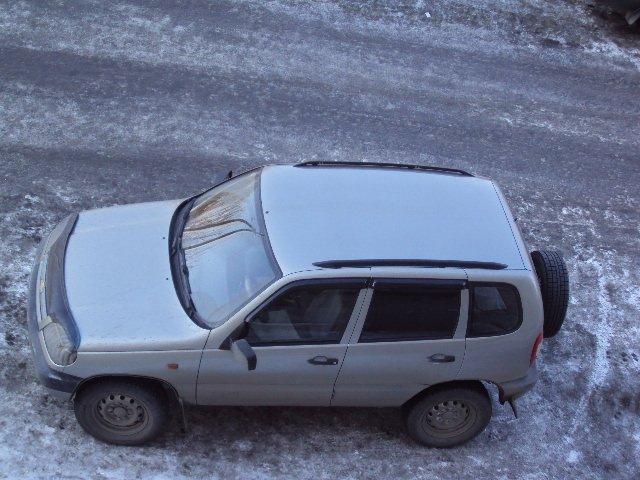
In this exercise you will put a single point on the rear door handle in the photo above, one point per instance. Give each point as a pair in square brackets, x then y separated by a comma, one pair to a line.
[322, 360]
[441, 358]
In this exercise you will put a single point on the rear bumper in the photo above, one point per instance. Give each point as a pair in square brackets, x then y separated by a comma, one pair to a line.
[516, 388]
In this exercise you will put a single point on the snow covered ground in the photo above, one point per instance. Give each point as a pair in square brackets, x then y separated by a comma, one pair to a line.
[115, 102]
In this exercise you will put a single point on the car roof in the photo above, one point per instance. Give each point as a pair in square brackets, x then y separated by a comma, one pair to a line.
[315, 213]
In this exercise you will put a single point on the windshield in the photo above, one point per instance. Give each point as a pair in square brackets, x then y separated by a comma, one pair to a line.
[226, 249]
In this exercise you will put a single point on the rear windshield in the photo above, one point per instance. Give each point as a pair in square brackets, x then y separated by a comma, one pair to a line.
[226, 249]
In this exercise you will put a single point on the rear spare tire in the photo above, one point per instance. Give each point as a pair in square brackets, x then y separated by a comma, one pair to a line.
[554, 286]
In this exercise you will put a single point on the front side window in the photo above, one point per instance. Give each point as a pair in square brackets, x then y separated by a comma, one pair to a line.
[411, 313]
[304, 315]
[226, 249]
[495, 310]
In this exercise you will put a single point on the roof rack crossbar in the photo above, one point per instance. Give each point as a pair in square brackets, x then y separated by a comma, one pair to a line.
[407, 166]
[410, 263]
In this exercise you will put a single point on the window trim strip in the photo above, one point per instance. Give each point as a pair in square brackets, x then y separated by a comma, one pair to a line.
[435, 283]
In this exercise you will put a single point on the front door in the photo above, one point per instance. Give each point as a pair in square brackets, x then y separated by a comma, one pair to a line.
[300, 343]
[412, 336]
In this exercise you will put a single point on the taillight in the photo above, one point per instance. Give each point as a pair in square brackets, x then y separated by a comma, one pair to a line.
[536, 347]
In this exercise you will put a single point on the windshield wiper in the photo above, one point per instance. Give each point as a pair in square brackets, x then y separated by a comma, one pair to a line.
[179, 270]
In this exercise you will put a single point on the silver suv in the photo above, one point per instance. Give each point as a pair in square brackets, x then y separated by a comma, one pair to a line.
[316, 284]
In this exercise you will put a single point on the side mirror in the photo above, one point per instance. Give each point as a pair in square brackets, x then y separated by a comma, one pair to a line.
[243, 353]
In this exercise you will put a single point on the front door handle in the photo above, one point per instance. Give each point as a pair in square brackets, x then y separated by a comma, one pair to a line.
[441, 358]
[322, 360]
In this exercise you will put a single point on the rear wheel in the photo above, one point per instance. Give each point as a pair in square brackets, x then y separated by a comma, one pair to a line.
[449, 416]
[554, 287]
[122, 412]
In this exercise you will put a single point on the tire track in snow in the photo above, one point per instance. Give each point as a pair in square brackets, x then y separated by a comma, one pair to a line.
[601, 329]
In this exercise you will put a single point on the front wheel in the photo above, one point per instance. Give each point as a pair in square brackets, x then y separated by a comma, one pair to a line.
[122, 412]
[448, 417]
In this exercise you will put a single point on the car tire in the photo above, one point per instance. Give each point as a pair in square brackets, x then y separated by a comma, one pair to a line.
[554, 287]
[122, 412]
[447, 417]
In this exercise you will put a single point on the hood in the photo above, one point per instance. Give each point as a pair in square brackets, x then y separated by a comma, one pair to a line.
[119, 285]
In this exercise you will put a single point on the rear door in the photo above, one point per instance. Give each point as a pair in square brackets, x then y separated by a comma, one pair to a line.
[412, 336]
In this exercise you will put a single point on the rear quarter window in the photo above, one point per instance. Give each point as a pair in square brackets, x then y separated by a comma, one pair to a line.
[495, 309]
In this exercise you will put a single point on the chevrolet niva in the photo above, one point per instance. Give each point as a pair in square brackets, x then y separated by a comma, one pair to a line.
[315, 284]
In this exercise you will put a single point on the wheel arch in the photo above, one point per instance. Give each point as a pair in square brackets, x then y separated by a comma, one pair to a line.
[170, 391]
[474, 384]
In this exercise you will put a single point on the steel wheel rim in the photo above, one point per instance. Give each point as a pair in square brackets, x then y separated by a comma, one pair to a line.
[449, 418]
[121, 413]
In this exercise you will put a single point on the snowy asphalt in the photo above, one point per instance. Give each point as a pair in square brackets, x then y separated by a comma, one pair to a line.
[115, 102]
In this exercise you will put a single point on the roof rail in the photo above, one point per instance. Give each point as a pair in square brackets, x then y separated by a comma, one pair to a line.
[406, 262]
[407, 166]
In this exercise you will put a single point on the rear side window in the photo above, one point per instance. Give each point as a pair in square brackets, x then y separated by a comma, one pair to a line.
[495, 310]
[411, 313]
